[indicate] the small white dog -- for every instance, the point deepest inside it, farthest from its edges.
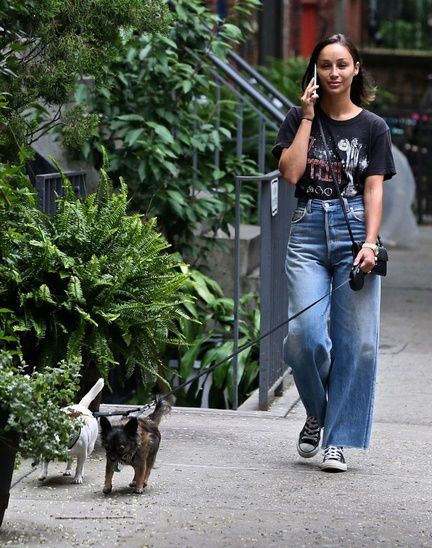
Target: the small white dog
(83, 444)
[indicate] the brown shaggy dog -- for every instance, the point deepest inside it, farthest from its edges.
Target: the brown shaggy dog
(135, 443)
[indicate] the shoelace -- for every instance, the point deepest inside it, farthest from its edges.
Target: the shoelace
(311, 429)
(333, 452)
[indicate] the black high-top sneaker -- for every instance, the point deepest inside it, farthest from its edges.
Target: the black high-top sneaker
(309, 438)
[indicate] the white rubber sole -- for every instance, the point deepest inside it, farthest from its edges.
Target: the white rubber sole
(307, 454)
(333, 465)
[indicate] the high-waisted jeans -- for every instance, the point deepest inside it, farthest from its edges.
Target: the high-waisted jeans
(333, 347)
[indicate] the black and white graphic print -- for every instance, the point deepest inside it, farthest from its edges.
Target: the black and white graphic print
(352, 161)
(349, 160)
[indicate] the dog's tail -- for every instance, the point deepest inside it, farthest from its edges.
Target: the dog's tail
(92, 393)
(162, 408)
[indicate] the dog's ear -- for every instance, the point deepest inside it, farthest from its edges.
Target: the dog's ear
(105, 424)
(131, 427)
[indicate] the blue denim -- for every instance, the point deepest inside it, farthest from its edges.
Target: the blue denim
(333, 347)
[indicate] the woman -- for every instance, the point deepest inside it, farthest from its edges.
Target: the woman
(333, 347)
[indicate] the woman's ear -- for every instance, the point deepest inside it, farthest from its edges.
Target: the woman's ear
(356, 68)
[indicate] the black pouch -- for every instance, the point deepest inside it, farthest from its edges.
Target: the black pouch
(380, 267)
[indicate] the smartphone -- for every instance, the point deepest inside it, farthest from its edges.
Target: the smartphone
(315, 79)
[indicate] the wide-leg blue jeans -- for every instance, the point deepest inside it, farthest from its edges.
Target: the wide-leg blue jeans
(333, 347)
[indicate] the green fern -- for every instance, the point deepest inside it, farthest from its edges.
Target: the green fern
(91, 281)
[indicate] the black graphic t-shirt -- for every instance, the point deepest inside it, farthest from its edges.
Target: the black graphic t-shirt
(359, 147)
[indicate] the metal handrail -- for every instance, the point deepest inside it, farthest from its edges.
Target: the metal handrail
(254, 74)
(253, 91)
(244, 99)
(238, 181)
(247, 87)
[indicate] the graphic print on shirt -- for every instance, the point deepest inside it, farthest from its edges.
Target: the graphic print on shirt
(349, 162)
(351, 149)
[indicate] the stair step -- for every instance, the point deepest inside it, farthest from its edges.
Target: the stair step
(221, 260)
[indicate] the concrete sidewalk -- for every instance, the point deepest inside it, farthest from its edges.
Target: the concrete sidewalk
(234, 478)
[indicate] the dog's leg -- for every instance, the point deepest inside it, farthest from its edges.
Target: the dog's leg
(133, 482)
(109, 472)
(150, 463)
(140, 474)
(79, 471)
(68, 471)
(43, 470)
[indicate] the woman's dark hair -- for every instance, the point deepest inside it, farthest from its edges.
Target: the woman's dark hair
(362, 88)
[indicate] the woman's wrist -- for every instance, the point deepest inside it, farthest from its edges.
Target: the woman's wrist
(372, 246)
(307, 118)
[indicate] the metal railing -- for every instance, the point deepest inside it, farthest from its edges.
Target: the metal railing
(277, 204)
(50, 185)
(250, 93)
(257, 79)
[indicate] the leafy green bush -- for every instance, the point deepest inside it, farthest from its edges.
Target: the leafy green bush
(286, 75)
(157, 110)
(158, 121)
(32, 403)
(207, 328)
(47, 44)
(90, 283)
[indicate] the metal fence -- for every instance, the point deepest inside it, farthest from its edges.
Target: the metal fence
(49, 186)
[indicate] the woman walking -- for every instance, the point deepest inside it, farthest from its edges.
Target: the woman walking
(333, 347)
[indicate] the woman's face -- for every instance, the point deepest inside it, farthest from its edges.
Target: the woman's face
(336, 70)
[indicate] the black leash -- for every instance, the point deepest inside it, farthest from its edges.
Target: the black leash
(208, 370)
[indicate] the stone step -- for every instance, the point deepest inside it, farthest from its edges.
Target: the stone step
(221, 259)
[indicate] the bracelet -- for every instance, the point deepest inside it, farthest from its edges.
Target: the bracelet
(374, 247)
(310, 119)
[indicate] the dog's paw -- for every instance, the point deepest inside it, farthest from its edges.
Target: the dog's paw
(67, 473)
(107, 489)
(139, 490)
(78, 479)
(132, 483)
(42, 477)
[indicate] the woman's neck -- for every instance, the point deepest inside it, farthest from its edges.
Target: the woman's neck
(339, 109)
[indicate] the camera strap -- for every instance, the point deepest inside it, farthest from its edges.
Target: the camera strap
(338, 192)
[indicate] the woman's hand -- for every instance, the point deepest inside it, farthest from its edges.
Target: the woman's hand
(308, 100)
(373, 198)
(366, 259)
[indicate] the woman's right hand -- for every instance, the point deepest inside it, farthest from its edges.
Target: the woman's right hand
(308, 100)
